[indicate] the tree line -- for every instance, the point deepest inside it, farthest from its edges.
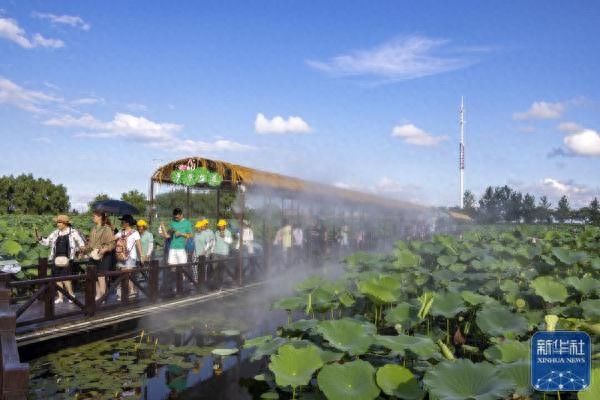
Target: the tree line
(505, 204)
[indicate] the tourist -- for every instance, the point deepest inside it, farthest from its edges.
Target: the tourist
(128, 249)
(298, 248)
(204, 242)
(180, 229)
(223, 240)
(147, 239)
(64, 242)
(284, 237)
(100, 249)
(344, 240)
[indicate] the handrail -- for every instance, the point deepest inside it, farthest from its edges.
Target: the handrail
(14, 375)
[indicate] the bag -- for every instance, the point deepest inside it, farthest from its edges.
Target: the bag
(62, 246)
(61, 261)
(95, 255)
(190, 245)
(121, 250)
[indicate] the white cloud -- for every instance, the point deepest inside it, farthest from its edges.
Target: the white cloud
(279, 125)
(563, 187)
(137, 107)
(10, 30)
(122, 125)
(42, 139)
(84, 101)
(412, 134)
(584, 143)
(29, 100)
(526, 129)
(541, 110)
(400, 59)
(569, 127)
(158, 135)
(71, 20)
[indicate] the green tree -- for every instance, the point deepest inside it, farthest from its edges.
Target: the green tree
(488, 207)
(136, 199)
(469, 204)
(99, 197)
(513, 207)
(544, 210)
(563, 211)
(24, 194)
(529, 211)
(592, 212)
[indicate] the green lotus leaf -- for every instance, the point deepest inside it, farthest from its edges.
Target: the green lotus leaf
(382, 290)
(270, 396)
(310, 283)
(446, 260)
(295, 366)
(426, 299)
(224, 352)
(290, 303)
(463, 379)
(509, 287)
(11, 248)
(399, 382)
(508, 351)
(567, 256)
(346, 299)
(346, 335)
(584, 286)
(549, 289)
(267, 347)
(458, 268)
(302, 325)
(406, 259)
(498, 321)
(519, 373)
(591, 310)
(593, 392)
(322, 300)
(475, 299)
(230, 332)
(404, 314)
(448, 305)
(354, 380)
(422, 346)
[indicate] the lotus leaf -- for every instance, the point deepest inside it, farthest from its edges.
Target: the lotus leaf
(406, 259)
(463, 379)
(584, 286)
(448, 305)
(10, 247)
(446, 260)
(593, 392)
(508, 351)
(398, 381)
(290, 303)
(294, 366)
(422, 346)
(383, 290)
(346, 335)
(267, 348)
(549, 289)
(404, 314)
(475, 298)
(567, 256)
(498, 321)
(354, 380)
(591, 309)
(270, 396)
(426, 299)
(301, 325)
(519, 373)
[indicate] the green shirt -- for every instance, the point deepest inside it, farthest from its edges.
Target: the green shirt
(146, 239)
(183, 226)
(222, 243)
(201, 240)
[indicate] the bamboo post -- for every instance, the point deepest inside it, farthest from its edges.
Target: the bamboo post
(50, 292)
(241, 239)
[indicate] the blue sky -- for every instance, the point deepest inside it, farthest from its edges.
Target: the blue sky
(96, 95)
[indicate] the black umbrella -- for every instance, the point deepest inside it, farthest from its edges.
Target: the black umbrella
(116, 207)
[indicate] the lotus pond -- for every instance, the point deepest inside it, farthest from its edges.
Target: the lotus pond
(444, 319)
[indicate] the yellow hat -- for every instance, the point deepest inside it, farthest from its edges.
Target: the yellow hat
(222, 222)
(201, 223)
(142, 222)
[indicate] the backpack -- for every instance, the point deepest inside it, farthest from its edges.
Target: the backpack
(121, 250)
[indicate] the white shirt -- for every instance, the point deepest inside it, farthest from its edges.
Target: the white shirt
(298, 237)
(133, 237)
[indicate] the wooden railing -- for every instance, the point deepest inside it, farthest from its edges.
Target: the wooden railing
(34, 303)
(14, 375)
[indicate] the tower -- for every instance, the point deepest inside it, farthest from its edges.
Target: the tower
(461, 162)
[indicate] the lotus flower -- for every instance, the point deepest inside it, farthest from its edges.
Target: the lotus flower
(551, 321)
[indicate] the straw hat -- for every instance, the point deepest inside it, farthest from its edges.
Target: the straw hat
(63, 218)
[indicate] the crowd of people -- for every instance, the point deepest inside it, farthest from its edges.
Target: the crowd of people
(109, 248)
(208, 251)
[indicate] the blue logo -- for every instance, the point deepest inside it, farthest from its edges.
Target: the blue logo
(561, 361)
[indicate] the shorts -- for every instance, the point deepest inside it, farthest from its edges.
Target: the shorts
(105, 263)
(177, 256)
(62, 271)
(130, 263)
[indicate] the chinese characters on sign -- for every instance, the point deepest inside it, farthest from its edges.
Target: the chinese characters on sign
(560, 361)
